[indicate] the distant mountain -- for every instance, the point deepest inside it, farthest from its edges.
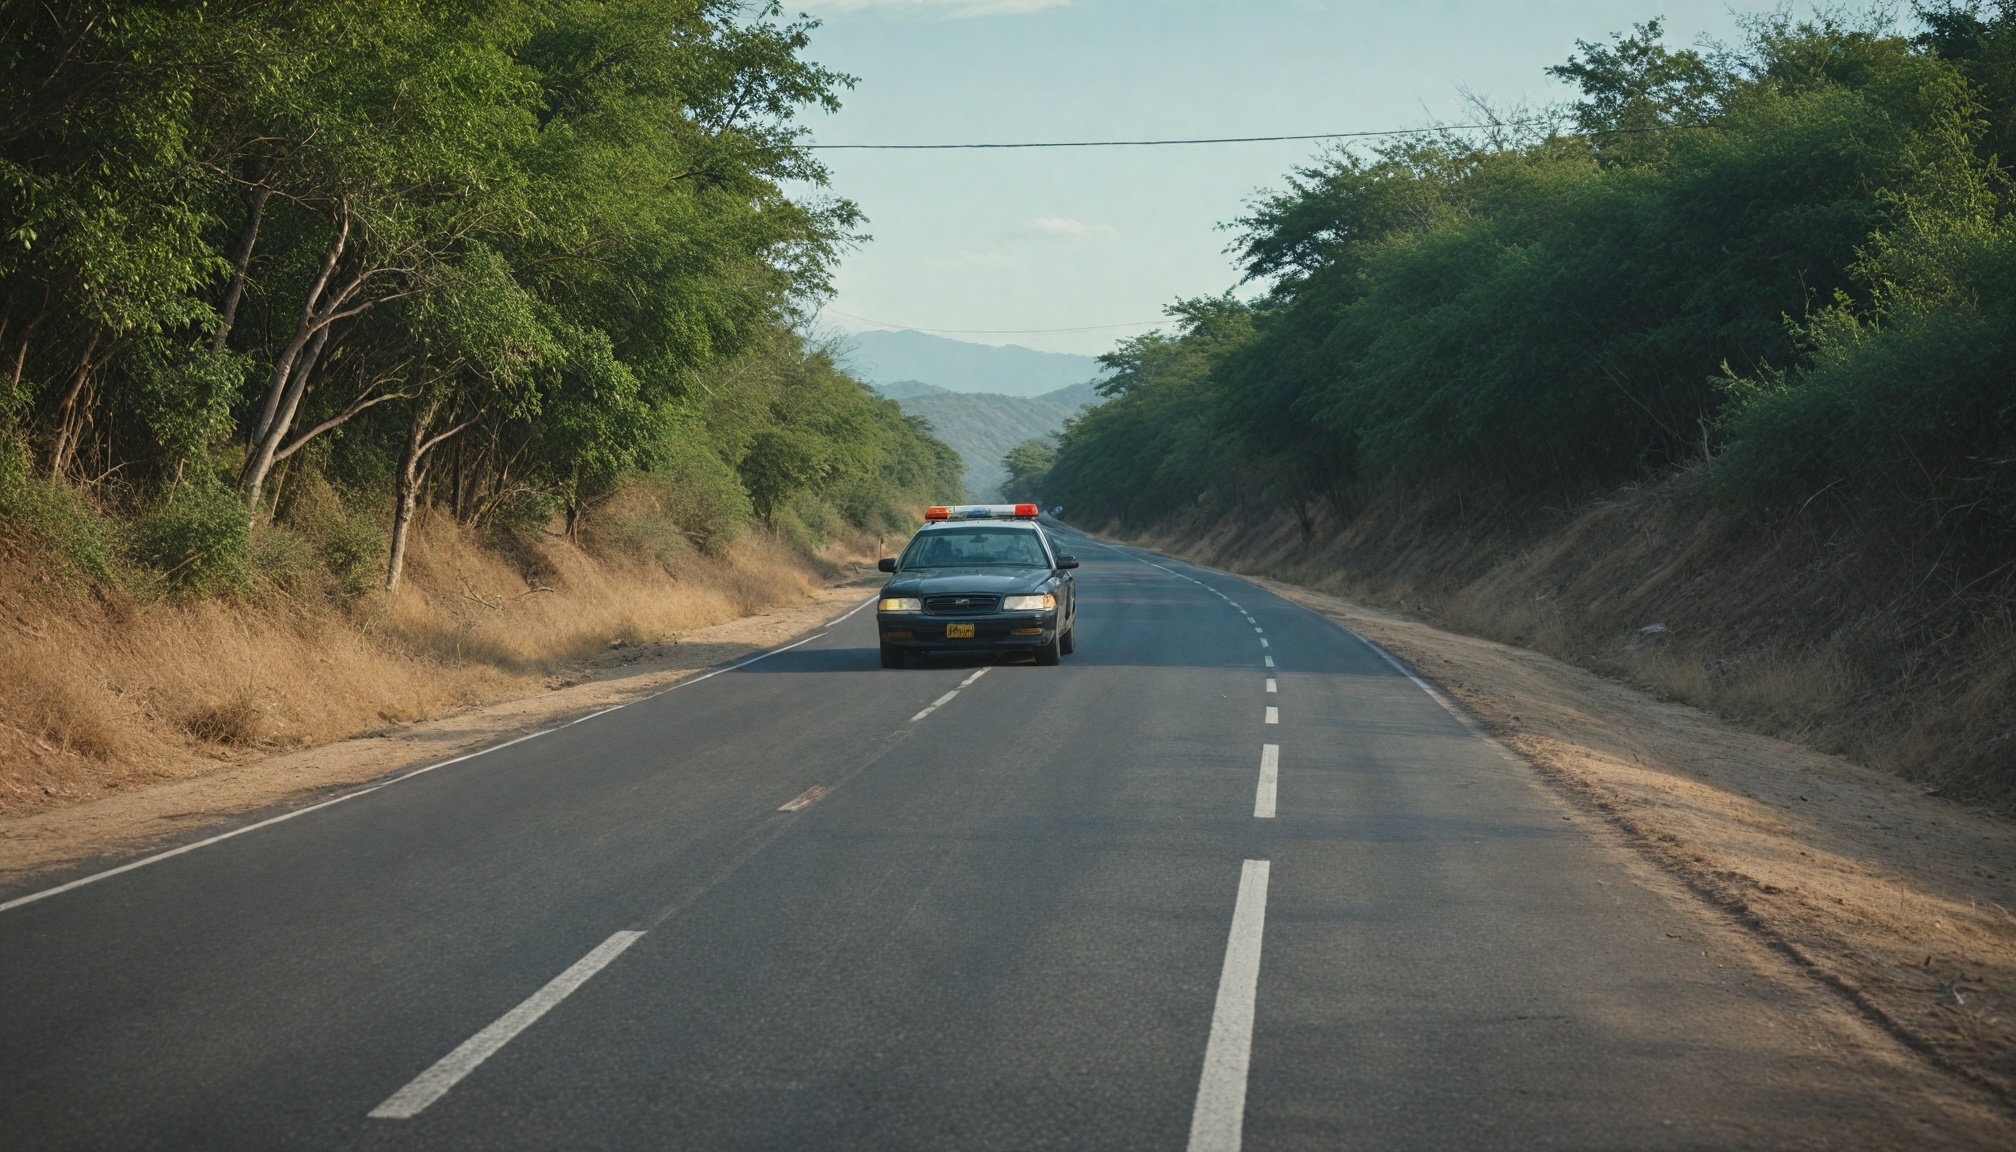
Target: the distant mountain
(886, 359)
(905, 389)
(983, 426)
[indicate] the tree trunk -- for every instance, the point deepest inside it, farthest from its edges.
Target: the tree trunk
(408, 490)
(261, 461)
(304, 330)
(241, 260)
(21, 357)
(69, 422)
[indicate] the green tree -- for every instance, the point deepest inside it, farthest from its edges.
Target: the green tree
(1028, 465)
(502, 255)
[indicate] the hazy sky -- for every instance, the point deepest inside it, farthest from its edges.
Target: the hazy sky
(1070, 239)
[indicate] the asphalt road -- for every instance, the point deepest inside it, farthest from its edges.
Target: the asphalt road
(1074, 907)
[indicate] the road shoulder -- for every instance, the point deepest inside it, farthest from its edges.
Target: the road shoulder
(1898, 900)
(129, 823)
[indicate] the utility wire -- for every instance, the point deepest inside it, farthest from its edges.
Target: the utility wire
(1161, 143)
(1241, 139)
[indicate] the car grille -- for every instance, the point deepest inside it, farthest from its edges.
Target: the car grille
(961, 605)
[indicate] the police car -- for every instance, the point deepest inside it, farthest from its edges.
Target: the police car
(978, 576)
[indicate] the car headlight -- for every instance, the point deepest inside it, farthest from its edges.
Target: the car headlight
(1028, 603)
(899, 604)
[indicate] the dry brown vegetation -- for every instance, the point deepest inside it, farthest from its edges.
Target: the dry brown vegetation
(1807, 628)
(104, 692)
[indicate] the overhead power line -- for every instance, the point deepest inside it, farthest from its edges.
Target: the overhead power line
(994, 331)
(1163, 143)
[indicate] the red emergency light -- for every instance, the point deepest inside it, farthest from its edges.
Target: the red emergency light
(981, 512)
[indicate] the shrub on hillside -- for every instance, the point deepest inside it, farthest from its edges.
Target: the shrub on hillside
(197, 539)
(54, 518)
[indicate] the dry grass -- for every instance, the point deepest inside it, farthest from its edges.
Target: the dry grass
(103, 693)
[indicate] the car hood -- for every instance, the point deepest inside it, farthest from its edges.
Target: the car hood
(952, 581)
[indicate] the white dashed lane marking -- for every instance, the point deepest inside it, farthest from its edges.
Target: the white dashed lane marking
(1270, 679)
(941, 701)
(1218, 1122)
(1273, 715)
(448, 1071)
(1270, 772)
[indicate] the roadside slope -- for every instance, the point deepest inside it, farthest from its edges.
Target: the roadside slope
(109, 693)
(174, 807)
(1836, 628)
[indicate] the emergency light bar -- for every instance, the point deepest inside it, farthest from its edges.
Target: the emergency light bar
(982, 512)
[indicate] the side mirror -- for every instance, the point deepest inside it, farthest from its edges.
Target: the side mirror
(886, 564)
(1064, 562)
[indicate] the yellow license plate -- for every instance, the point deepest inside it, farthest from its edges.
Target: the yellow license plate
(958, 631)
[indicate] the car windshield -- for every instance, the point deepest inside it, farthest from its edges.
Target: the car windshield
(976, 547)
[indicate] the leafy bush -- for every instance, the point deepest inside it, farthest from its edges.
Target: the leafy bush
(282, 558)
(52, 515)
(198, 540)
(1913, 404)
(702, 496)
(780, 463)
(353, 548)
(808, 522)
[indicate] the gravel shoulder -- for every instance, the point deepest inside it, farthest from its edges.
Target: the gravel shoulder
(150, 818)
(1898, 901)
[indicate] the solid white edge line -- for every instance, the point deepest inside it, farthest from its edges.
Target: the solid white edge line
(448, 1071)
(941, 701)
(130, 865)
(1218, 1122)
(1270, 775)
(838, 619)
(1433, 692)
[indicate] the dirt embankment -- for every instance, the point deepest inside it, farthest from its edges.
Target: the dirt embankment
(105, 696)
(1841, 629)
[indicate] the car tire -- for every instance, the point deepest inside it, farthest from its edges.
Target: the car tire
(1068, 642)
(1048, 654)
(892, 656)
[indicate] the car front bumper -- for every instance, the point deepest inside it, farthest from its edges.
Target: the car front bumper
(918, 631)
